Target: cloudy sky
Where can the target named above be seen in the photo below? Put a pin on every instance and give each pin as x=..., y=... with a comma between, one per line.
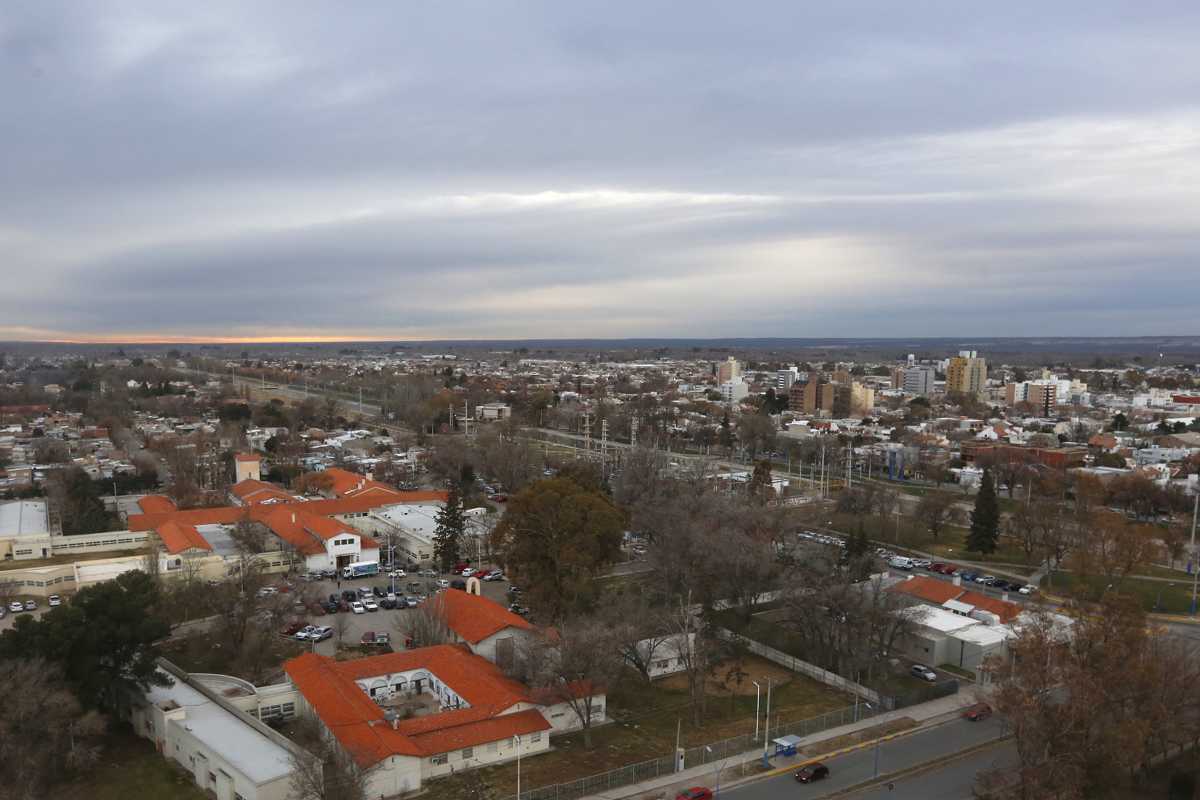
x=567, y=169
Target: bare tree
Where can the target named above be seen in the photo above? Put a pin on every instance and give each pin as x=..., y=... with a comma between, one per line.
x=640, y=630
x=44, y=735
x=937, y=510
x=324, y=770
x=426, y=624
x=575, y=666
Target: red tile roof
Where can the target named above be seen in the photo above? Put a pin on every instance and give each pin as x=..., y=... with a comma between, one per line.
x=177, y=537
x=473, y=617
x=245, y=457
x=360, y=725
x=932, y=590
x=929, y=589
x=252, y=492
x=156, y=503
x=308, y=532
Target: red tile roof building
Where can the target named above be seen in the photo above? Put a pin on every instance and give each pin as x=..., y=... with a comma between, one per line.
x=481, y=710
x=936, y=592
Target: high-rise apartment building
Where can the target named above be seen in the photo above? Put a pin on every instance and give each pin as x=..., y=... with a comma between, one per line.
x=729, y=370
x=918, y=380
x=966, y=373
x=734, y=391
x=1044, y=396
x=812, y=396
x=784, y=378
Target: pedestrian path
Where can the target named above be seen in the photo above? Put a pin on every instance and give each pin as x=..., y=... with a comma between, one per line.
x=926, y=715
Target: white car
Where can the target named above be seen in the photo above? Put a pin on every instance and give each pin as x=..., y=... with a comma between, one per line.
x=358, y=608
x=54, y=600
x=397, y=573
x=443, y=583
x=16, y=606
x=1028, y=588
x=985, y=579
x=320, y=633
x=494, y=575
x=370, y=604
x=305, y=633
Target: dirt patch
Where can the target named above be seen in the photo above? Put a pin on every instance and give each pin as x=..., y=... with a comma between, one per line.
x=723, y=681
x=858, y=737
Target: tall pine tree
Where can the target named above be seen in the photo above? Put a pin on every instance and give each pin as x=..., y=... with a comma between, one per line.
x=985, y=519
x=447, y=537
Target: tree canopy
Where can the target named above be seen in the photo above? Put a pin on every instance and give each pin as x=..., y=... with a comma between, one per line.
x=985, y=518
x=554, y=538
x=103, y=640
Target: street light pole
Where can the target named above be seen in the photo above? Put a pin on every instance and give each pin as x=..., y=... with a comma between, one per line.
x=517, y=739
x=757, y=698
x=767, y=725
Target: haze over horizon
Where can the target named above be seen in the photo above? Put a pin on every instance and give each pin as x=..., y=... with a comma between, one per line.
x=221, y=172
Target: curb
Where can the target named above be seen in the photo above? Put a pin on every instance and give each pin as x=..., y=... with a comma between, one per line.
x=944, y=720
x=917, y=769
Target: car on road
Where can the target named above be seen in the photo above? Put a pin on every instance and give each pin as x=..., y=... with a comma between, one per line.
x=969, y=577
x=459, y=567
x=812, y=772
x=31, y=605
x=923, y=672
x=494, y=575
x=519, y=609
x=358, y=608
x=1028, y=588
x=16, y=606
x=469, y=572
x=978, y=712
x=54, y=600
x=443, y=583
x=986, y=580
x=695, y=793
x=937, y=567
x=370, y=604
x=397, y=573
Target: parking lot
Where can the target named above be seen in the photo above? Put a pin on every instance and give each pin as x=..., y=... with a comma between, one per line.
x=10, y=617
x=384, y=620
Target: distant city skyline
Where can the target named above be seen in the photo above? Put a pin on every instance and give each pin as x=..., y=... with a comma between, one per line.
x=230, y=172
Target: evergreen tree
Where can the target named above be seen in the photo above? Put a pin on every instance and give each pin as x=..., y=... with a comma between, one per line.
x=985, y=519
x=447, y=537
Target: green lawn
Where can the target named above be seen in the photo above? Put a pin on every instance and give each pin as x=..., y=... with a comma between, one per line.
x=1171, y=598
x=131, y=769
x=950, y=544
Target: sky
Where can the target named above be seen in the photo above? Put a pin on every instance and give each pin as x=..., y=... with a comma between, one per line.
x=503, y=170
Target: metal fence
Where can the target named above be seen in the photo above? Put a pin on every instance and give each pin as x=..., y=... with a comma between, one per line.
x=922, y=695
x=712, y=753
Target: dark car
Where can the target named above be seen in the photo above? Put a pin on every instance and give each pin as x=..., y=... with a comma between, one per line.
x=978, y=712
x=517, y=608
x=695, y=793
x=333, y=598
x=343, y=606
x=812, y=772
x=330, y=606
x=387, y=603
x=379, y=591
x=460, y=585
x=350, y=595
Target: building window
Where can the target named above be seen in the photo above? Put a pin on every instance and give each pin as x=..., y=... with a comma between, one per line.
x=440, y=758
x=468, y=752
x=535, y=737
x=492, y=747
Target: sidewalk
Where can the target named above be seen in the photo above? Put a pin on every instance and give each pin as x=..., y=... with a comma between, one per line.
x=926, y=715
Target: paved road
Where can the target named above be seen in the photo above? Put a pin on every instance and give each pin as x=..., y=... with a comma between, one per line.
x=952, y=781
x=902, y=753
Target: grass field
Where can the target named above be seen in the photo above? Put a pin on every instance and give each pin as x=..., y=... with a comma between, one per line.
x=645, y=719
x=131, y=769
x=1169, y=598
x=950, y=544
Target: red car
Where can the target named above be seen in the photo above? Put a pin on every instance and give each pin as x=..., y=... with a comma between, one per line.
x=937, y=567
x=291, y=628
x=695, y=793
x=978, y=712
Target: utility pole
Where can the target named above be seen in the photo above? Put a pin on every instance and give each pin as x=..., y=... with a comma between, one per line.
x=604, y=445
x=587, y=432
x=633, y=426
x=767, y=726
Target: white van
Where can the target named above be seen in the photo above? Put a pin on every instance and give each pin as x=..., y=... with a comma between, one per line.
x=900, y=562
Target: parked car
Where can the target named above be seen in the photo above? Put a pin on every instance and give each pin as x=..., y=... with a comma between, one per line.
x=304, y=632
x=358, y=608
x=331, y=606
x=54, y=600
x=379, y=591
x=1028, y=588
x=695, y=793
x=443, y=583
x=293, y=627
x=459, y=567
x=969, y=577
x=413, y=602
x=937, y=567
x=388, y=602
x=461, y=585
x=373, y=638
x=343, y=606
x=370, y=604
x=468, y=572
x=978, y=712
x=812, y=772
x=16, y=606
x=923, y=672
x=519, y=609
x=350, y=595
x=494, y=575
x=31, y=605
x=986, y=580
x=321, y=633
x=397, y=573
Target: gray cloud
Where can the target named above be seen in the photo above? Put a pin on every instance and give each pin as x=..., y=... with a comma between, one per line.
x=547, y=169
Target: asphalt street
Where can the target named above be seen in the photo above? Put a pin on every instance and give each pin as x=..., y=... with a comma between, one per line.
x=901, y=753
x=950, y=781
